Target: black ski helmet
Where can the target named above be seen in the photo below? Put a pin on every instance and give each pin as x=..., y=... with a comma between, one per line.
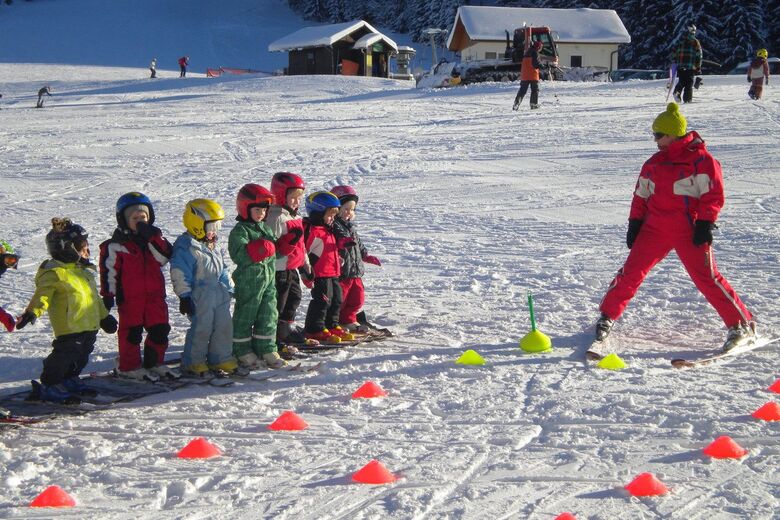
x=65, y=239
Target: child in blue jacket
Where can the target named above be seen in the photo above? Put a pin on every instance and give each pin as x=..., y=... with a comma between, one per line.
x=202, y=283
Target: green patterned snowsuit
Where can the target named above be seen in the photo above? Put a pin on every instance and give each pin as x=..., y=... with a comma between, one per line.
x=255, y=314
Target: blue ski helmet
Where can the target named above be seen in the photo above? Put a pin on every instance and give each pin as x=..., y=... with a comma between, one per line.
x=319, y=201
x=132, y=199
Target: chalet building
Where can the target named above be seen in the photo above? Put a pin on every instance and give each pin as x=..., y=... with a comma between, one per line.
x=584, y=37
x=351, y=48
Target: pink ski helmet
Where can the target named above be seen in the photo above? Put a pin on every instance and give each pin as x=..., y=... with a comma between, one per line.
x=283, y=181
x=345, y=193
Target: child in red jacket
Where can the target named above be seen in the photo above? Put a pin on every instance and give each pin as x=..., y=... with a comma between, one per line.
x=8, y=260
x=131, y=276
x=322, y=246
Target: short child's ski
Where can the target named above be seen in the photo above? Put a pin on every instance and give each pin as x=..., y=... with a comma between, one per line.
x=598, y=350
x=692, y=363
x=672, y=78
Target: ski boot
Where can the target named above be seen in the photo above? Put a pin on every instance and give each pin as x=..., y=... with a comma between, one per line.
x=165, y=372
x=139, y=374
x=740, y=335
x=603, y=327
x=288, y=352
x=76, y=386
x=229, y=368
x=197, y=371
x=534, y=106
x=250, y=361
x=53, y=394
x=516, y=106
x=273, y=360
x=342, y=334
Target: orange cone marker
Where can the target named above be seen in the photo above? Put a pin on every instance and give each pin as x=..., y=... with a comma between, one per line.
x=775, y=387
x=646, y=485
x=566, y=516
x=368, y=391
x=289, y=421
x=53, y=496
x=769, y=412
x=199, y=448
x=374, y=473
x=724, y=447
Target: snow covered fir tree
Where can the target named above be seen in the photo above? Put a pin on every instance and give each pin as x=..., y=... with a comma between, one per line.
x=730, y=31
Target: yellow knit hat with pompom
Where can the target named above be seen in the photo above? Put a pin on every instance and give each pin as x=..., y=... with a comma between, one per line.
x=671, y=121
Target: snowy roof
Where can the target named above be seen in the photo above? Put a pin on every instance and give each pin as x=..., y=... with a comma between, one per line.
x=571, y=25
x=324, y=36
x=371, y=38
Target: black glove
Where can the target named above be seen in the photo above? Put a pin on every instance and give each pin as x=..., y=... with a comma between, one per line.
x=296, y=233
x=27, y=317
x=109, y=324
x=702, y=233
x=766, y=80
x=146, y=231
x=634, y=225
x=186, y=306
x=749, y=80
x=108, y=301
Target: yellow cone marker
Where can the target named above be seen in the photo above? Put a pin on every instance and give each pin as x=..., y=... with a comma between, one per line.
x=612, y=362
x=470, y=357
x=535, y=341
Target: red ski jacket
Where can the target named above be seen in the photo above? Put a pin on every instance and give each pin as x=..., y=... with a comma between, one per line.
x=678, y=186
x=323, y=251
x=129, y=271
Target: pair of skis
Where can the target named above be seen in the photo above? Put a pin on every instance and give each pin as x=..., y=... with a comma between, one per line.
x=599, y=349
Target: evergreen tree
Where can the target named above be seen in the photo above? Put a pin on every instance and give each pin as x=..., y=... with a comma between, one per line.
x=744, y=30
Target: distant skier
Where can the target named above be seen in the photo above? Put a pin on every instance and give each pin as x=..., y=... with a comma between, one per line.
x=153, y=68
x=183, y=62
x=529, y=76
x=688, y=58
x=45, y=91
x=758, y=74
x=676, y=202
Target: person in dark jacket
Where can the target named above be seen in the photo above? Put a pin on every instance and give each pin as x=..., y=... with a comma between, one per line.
x=353, y=257
x=44, y=91
x=529, y=76
x=688, y=58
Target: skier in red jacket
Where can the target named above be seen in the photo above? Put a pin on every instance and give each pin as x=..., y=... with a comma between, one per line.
x=131, y=277
x=677, y=200
x=183, y=62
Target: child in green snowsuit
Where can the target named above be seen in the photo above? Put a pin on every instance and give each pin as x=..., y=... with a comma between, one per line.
x=251, y=247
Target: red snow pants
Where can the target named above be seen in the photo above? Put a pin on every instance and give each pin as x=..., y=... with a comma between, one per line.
x=134, y=316
x=650, y=248
x=354, y=298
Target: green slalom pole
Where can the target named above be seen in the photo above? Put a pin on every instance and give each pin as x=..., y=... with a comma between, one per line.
x=531, y=310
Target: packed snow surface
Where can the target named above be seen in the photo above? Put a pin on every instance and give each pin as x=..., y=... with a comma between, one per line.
x=469, y=205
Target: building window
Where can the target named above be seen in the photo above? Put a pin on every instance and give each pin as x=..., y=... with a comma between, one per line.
x=490, y=55
x=576, y=61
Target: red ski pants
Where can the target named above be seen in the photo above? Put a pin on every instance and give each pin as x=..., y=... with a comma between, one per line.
x=354, y=298
x=650, y=248
x=134, y=316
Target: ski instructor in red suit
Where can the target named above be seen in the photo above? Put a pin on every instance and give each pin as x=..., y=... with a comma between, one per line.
x=677, y=200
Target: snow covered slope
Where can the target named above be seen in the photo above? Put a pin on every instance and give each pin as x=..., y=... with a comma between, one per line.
x=469, y=205
x=128, y=33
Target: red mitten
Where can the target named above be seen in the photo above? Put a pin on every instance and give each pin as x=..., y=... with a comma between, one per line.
x=260, y=249
x=308, y=283
x=7, y=320
x=370, y=259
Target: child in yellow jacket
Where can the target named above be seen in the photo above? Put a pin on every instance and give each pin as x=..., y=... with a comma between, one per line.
x=65, y=287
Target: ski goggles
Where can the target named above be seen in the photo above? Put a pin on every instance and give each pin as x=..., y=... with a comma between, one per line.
x=658, y=135
x=213, y=226
x=9, y=261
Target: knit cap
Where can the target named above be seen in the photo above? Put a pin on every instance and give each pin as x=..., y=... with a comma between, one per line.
x=671, y=121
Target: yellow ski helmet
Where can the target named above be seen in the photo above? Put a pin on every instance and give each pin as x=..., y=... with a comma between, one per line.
x=198, y=213
x=762, y=53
